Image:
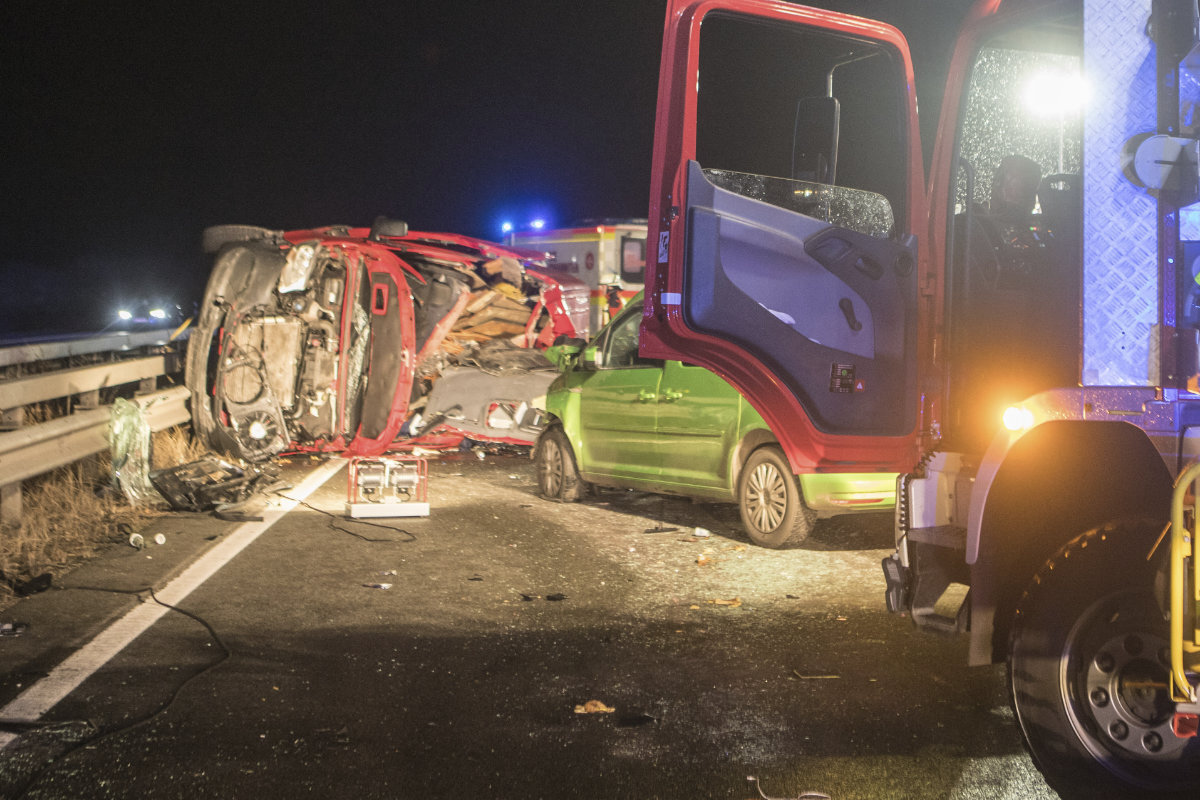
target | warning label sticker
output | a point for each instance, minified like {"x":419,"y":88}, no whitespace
{"x":841,"y":379}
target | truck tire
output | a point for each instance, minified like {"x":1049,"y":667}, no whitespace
{"x":772,"y":507}
{"x":217,"y":236}
{"x":557,"y":475}
{"x":1087,"y":671}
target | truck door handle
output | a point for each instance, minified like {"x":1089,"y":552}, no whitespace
{"x":669,"y":396}
{"x":847,"y":307}
{"x":646,"y":396}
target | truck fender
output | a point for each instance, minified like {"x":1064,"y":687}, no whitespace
{"x":1034,"y":493}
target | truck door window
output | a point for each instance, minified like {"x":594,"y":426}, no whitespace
{"x":804,"y":119}
{"x":1015,"y":225}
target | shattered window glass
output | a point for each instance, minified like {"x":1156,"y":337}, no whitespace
{"x":810,"y":120}
{"x":856,"y":210}
{"x":1012,"y":109}
{"x":356,"y":364}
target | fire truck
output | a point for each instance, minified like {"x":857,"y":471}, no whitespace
{"x":608,"y":255}
{"x":1013,"y":331}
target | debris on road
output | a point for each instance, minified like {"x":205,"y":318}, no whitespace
{"x":129,"y":445}
{"x":635,"y":720}
{"x":13,"y":628}
{"x":804,"y":677}
{"x":734,"y":602}
{"x":377,"y":585}
{"x":34,"y":585}
{"x":594,"y":707}
{"x":702,"y":533}
{"x":212,"y":484}
{"x":137,"y":541}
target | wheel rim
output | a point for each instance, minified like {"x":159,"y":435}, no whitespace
{"x":552,"y":468}
{"x":1114,"y":679}
{"x":766,"y":497}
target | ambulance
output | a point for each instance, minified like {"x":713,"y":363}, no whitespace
{"x":608,"y":255}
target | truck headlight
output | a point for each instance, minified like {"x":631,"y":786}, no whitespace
{"x":1017,"y":418}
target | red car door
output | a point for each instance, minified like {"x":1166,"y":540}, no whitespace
{"x":787,"y":192}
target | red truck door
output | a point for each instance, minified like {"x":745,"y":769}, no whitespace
{"x":787,"y":191}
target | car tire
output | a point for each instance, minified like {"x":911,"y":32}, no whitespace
{"x":770,"y":501}
{"x":1087,"y":640}
{"x":217,"y":236}
{"x":557,"y":474}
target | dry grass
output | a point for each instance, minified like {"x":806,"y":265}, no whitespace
{"x":173,"y":447}
{"x":72,"y":513}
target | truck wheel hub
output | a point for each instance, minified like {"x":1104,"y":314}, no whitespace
{"x":1127,"y":694}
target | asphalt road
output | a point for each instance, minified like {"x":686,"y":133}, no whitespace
{"x":292,"y":677}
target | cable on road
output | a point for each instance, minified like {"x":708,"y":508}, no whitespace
{"x":412,"y":537}
{"x":100,"y":736}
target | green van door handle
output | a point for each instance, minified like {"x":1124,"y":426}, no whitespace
{"x":646,"y":396}
{"x":670,"y":396}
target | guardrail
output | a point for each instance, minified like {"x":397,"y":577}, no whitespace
{"x":29,"y":450}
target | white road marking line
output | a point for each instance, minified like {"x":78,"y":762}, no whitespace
{"x":39,"y":698}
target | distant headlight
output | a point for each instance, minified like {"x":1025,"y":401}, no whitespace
{"x":125,"y":315}
{"x":158,"y":313}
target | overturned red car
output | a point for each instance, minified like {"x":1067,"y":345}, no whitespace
{"x":328,"y":339}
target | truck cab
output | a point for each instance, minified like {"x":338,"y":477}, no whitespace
{"x":1013,"y":336}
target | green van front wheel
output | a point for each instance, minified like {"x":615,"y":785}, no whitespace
{"x":772,"y":507}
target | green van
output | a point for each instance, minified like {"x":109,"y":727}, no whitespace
{"x":617,"y":419}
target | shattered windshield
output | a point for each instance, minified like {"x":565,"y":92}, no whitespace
{"x":356,"y":360}
{"x":854,"y":209}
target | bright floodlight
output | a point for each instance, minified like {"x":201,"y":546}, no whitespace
{"x":125,"y":315}
{"x":1052,"y":93}
{"x":538,"y":224}
{"x":258,"y":431}
{"x":158,"y":313}
{"x":506,"y":227}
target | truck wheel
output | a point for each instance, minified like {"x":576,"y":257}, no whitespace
{"x":772,"y":507}
{"x":557,"y":476}
{"x":1088,"y":672}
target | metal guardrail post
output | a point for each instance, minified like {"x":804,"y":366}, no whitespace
{"x":10,"y":494}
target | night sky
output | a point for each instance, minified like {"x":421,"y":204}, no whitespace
{"x":129,"y":129}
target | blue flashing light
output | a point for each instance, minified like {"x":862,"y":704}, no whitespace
{"x":506,"y":227}
{"x":538,"y":224}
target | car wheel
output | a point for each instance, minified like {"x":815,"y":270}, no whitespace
{"x":217,"y":236}
{"x":557,"y":476}
{"x":1088,"y":672}
{"x":772,"y":507}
